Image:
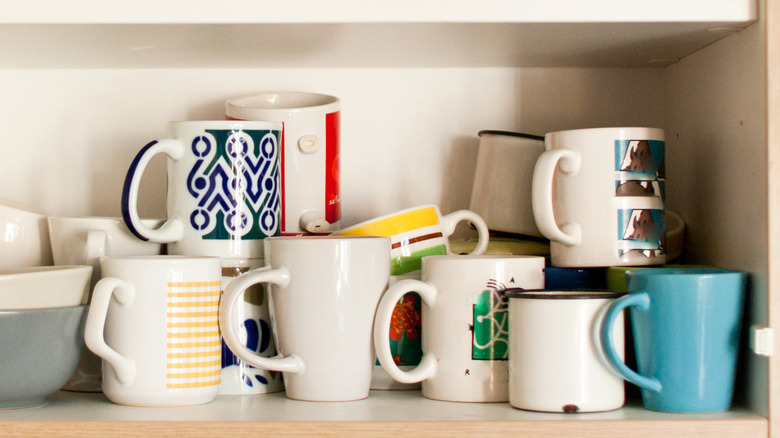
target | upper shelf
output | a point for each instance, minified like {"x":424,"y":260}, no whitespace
{"x":361,"y":33}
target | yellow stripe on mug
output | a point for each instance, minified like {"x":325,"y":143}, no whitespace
{"x":189,"y":332}
{"x":396,"y":224}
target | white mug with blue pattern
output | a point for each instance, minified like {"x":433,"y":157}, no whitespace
{"x":224,"y":192}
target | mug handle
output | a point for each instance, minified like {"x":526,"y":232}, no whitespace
{"x":570,"y":233}
{"x":450,"y":221}
{"x":233,"y":296}
{"x":384,"y":313}
{"x":642,"y":301}
{"x":96,"y":321}
{"x":173,"y":229}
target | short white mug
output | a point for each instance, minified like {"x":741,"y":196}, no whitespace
{"x":154,"y":321}
{"x":605,"y":187}
{"x":323,"y":297}
{"x":465,"y":324}
{"x":555,"y":359}
{"x":83,"y":241}
{"x":223,"y":188}
{"x":311,"y":189}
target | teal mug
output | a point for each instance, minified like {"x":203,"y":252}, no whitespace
{"x":686,"y":327}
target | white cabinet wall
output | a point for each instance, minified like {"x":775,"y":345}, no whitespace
{"x":85,"y":85}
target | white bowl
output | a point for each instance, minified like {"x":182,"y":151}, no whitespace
{"x":44,"y":286}
{"x":24,"y":237}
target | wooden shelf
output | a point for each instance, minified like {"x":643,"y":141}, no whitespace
{"x":383,"y":412}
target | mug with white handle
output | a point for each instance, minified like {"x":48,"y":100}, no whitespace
{"x":323,"y":296}
{"x":223,"y":188}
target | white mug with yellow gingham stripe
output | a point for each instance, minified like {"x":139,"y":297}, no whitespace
{"x":154,"y":320}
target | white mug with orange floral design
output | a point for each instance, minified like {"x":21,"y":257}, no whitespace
{"x":464,"y":321}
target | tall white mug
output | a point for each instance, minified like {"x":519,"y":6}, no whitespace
{"x":464,"y":322}
{"x":598,"y":195}
{"x":311,"y":175}
{"x":323,"y":297}
{"x":223,"y":188}
{"x":154,"y":322}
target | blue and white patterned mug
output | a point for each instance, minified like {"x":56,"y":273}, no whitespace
{"x":223,"y":188}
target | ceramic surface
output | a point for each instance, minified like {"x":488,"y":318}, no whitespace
{"x":686,"y":325}
{"x":154,"y":322}
{"x":501,"y":193}
{"x":82,"y":241}
{"x":464,"y":324}
{"x":311,"y":191}
{"x":24,"y":237}
{"x":418,"y":232}
{"x":44,"y":286}
{"x":323,"y":297}
{"x":39,"y":350}
{"x":253,"y":326}
{"x":555,"y":359}
{"x":224,"y":192}
{"x":598,"y":195}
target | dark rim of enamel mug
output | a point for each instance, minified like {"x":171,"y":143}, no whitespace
{"x":562,"y":294}
{"x":511,"y":134}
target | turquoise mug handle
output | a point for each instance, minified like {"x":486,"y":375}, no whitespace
{"x":642,"y":301}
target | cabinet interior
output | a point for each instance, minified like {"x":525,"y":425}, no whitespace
{"x":414,"y":96}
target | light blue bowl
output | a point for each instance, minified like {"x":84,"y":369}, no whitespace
{"x":39,"y":351}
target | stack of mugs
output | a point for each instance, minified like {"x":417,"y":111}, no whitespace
{"x":251,"y":285}
{"x":270,"y":170}
{"x":598,"y":196}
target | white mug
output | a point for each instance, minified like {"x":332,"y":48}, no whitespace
{"x":605,"y":187}
{"x":501,"y":194}
{"x":223,"y":188}
{"x":464,"y":324}
{"x":154,"y":322}
{"x":253,"y":325}
{"x":323,"y":297}
{"x":555,"y":359}
{"x":311,"y":186}
{"x":25,"y":237}
{"x":83,"y":241}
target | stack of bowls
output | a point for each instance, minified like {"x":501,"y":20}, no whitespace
{"x":42,"y":315}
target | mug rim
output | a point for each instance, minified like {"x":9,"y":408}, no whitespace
{"x":510,"y":134}
{"x":387,"y":216}
{"x":692,"y":271}
{"x":277,"y":126}
{"x":563,"y":294}
{"x":257,"y":101}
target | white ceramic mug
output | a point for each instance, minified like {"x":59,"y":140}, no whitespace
{"x":154,"y":322}
{"x":465,"y":324}
{"x":25,"y":237}
{"x":253,"y":326}
{"x":323,"y":297}
{"x":223,"y":188}
{"x":418,"y":232}
{"x":605,"y":187}
{"x":501,"y":194}
{"x":83,"y":241}
{"x":555,"y":359}
{"x":311,"y":185}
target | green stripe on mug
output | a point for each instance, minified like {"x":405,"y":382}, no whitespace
{"x":413,"y":262}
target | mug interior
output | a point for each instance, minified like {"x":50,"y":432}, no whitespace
{"x":283,"y":100}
